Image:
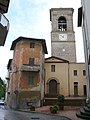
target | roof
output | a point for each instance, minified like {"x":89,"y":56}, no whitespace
{"x":59,"y":9}
{"x":55,"y":59}
{"x":34,"y":39}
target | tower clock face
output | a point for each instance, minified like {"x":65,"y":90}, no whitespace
{"x":62,"y":36}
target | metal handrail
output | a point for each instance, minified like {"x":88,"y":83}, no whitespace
{"x":4,"y":21}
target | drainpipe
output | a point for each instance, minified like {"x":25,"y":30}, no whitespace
{"x":68,"y":82}
{"x":44,"y":81}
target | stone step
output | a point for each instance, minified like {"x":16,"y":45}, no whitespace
{"x":80,"y":115}
{"x":83,"y":112}
{"x":87,"y":109}
{"x":88,"y":106}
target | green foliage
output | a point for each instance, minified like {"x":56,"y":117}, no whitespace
{"x":2,"y":88}
{"x":1,"y":82}
{"x":60,"y":101}
{"x":60,"y":98}
{"x":54,"y":109}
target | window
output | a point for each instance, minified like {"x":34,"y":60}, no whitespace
{"x":10,"y":68}
{"x":75,"y":72}
{"x":62,"y":23}
{"x":80,"y":17}
{"x":31,"y":80}
{"x":52,"y":68}
{"x":75,"y":88}
{"x":31,"y":61}
{"x":32,"y":45}
{"x":85,"y":90}
{"x":84,"y":72}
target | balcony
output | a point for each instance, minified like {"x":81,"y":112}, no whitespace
{"x":4,"y":27}
{"x":30,"y":68}
{"x":4,"y":4}
{"x":89,"y":59}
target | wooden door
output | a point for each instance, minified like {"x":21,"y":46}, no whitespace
{"x":53,"y":87}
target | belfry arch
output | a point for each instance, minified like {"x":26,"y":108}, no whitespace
{"x":62,"y":23}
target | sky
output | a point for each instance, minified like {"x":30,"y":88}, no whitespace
{"x":31,"y":18}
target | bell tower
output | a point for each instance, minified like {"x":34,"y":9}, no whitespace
{"x":62,"y":34}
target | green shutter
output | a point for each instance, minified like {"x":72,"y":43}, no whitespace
{"x":31,"y":61}
{"x":31,"y":80}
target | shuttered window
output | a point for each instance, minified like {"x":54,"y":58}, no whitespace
{"x":31,"y":80}
{"x":32,"y":45}
{"x":31,"y":61}
{"x":84,"y":72}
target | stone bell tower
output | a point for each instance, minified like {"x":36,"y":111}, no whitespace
{"x":62,"y":34}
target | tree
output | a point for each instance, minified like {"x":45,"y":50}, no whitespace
{"x":2,"y":88}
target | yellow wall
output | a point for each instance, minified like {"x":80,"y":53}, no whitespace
{"x":79,"y":78}
{"x":60,"y":74}
{"x":64,"y":75}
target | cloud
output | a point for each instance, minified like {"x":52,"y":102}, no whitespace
{"x":5,"y":56}
{"x":31,"y":18}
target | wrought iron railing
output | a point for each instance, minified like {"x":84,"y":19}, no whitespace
{"x":4,"y":21}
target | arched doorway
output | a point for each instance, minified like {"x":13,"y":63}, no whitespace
{"x":53,"y":87}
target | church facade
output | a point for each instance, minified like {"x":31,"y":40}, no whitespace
{"x":63,"y":75}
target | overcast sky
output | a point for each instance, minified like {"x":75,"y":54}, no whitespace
{"x":31,"y":18}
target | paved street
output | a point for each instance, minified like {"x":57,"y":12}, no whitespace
{"x":17,"y":115}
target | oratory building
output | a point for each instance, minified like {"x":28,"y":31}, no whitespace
{"x":33,"y":78}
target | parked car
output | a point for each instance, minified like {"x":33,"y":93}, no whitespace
{"x":1,"y":102}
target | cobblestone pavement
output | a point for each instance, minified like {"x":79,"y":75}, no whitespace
{"x":42,"y":113}
{"x":69,"y":112}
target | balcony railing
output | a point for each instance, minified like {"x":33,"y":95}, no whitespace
{"x":4,"y":27}
{"x":4,"y":21}
{"x":30,"y":68}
